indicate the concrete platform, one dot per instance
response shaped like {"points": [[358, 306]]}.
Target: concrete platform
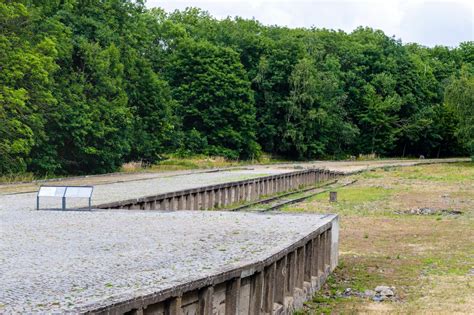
{"points": [[53, 261]]}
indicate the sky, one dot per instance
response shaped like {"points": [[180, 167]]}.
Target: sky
{"points": [[429, 23]]}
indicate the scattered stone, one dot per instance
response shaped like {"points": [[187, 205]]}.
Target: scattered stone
{"points": [[382, 293], [387, 292], [378, 298], [380, 288], [379, 294], [451, 212], [348, 292], [430, 211], [425, 211]]}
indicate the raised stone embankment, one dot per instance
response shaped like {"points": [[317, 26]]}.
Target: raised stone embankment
{"points": [[279, 284], [155, 262], [224, 195]]}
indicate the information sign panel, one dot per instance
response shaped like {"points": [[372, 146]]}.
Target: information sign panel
{"points": [[65, 192], [51, 191], [78, 192]]}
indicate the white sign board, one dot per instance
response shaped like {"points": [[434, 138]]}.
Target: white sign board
{"points": [[78, 192], [65, 192], [51, 191]]}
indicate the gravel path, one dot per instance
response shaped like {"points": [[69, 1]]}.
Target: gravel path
{"points": [[55, 261]]}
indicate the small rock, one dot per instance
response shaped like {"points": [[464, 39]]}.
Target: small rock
{"points": [[347, 291], [378, 298], [451, 212], [427, 211], [380, 288], [369, 293], [387, 293]]}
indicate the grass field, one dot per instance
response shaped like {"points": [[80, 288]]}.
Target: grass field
{"points": [[428, 258]]}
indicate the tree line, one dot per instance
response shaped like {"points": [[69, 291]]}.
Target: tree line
{"points": [[88, 85]]}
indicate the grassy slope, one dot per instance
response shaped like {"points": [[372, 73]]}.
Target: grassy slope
{"points": [[427, 258]]}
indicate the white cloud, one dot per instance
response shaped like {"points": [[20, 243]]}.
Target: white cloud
{"points": [[445, 22]]}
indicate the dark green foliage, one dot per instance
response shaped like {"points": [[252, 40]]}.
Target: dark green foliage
{"points": [[316, 121], [88, 85], [215, 100], [113, 105], [26, 67], [460, 97]]}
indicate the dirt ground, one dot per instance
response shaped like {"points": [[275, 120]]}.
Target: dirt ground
{"points": [[410, 228]]}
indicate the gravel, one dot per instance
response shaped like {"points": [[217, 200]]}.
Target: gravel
{"points": [[56, 261]]}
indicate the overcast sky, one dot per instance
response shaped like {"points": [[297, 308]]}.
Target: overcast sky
{"points": [[447, 22]]}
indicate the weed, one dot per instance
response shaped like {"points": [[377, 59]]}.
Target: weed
{"points": [[132, 167]]}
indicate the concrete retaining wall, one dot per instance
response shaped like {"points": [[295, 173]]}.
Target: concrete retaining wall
{"points": [[277, 285], [223, 195]]}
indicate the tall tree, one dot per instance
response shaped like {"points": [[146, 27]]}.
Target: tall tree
{"points": [[26, 66], [215, 100], [315, 125], [460, 96]]}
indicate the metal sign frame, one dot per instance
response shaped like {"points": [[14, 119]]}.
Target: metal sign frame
{"points": [[64, 196]]}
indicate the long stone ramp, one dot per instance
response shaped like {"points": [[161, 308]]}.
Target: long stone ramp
{"points": [[225, 195], [278, 284], [236, 192]]}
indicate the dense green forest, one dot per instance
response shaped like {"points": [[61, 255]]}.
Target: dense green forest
{"points": [[88, 85]]}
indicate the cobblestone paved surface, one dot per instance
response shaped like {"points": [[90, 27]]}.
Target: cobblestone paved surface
{"points": [[55, 261]]}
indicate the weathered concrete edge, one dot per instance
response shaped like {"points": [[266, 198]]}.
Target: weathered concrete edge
{"points": [[118, 204], [226, 274]]}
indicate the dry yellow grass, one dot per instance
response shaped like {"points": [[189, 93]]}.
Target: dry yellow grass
{"points": [[132, 167]]}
